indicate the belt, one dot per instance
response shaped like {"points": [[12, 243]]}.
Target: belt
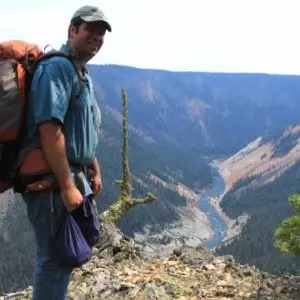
{"points": [[38, 182], [33, 182]]}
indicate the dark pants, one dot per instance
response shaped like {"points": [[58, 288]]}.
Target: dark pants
{"points": [[45, 210]]}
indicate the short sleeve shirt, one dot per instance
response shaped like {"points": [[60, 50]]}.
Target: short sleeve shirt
{"points": [[54, 83]]}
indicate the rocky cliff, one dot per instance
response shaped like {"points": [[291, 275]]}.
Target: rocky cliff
{"points": [[189, 273]]}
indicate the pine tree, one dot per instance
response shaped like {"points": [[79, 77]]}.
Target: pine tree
{"points": [[288, 232]]}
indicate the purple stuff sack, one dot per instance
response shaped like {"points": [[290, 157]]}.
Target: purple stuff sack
{"points": [[87, 220], [69, 247]]}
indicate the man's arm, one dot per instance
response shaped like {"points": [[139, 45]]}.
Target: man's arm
{"points": [[96, 177], [53, 144]]}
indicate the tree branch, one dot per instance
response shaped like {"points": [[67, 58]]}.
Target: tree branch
{"points": [[147, 199], [122, 206], [126, 183]]}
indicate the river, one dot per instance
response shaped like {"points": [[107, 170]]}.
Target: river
{"points": [[217, 224]]}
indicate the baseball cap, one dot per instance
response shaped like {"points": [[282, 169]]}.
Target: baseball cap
{"points": [[91, 14]]}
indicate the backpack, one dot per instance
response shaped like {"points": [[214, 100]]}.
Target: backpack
{"points": [[18, 62]]}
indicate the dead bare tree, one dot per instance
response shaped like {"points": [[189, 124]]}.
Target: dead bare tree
{"points": [[125, 201]]}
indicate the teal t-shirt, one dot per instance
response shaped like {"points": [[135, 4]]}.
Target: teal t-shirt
{"points": [[54, 83]]}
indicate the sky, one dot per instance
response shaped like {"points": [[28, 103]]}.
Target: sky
{"points": [[249, 36]]}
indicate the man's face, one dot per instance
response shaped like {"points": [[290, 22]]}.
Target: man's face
{"points": [[88, 40]]}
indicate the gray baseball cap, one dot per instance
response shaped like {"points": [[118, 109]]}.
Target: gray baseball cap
{"points": [[91, 14]]}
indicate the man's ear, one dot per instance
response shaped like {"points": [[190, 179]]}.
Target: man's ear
{"points": [[72, 30]]}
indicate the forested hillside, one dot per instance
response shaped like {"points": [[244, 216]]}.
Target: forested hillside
{"points": [[208, 113], [172, 164], [267, 206]]}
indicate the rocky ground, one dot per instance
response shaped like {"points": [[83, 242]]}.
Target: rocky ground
{"points": [[192, 229], [125, 272]]}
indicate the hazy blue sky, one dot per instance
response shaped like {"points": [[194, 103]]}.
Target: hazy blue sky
{"points": [[196, 35]]}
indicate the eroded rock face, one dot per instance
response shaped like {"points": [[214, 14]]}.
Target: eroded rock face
{"points": [[124, 272]]}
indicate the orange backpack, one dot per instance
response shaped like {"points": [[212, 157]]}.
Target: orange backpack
{"points": [[18, 61]]}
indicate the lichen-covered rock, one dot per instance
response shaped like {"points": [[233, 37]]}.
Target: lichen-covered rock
{"points": [[190, 273]]}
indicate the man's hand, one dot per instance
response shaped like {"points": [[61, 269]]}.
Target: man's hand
{"points": [[71, 197], [95, 177], [96, 184]]}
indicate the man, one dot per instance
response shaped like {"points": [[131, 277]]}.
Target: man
{"points": [[69, 139]]}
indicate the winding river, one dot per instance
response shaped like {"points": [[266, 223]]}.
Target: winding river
{"points": [[217, 224]]}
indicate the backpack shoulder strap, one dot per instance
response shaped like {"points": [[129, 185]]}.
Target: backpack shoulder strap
{"points": [[72, 58]]}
